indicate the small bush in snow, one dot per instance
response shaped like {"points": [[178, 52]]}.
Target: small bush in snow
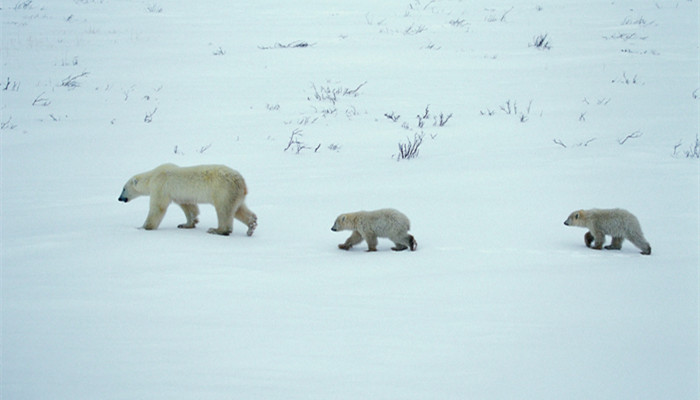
{"points": [[292, 45], [296, 144], [24, 5], [581, 144], [12, 86], [154, 8], [331, 93], [41, 101], [633, 135], [394, 117], [7, 124], [641, 21], [625, 80], [149, 116], [410, 149], [442, 119], [493, 16], [71, 81], [693, 151], [510, 107], [541, 42]]}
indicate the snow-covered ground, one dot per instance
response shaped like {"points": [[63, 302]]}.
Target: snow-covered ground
{"points": [[501, 300]]}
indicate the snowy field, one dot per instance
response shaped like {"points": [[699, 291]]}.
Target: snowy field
{"points": [[526, 111]]}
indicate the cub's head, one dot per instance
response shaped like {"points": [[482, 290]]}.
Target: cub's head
{"points": [[341, 223], [577, 218], [133, 188]]}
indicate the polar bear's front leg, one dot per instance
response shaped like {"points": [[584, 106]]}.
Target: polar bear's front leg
{"points": [[597, 237], [155, 213], [371, 239], [588, 239], [191, 212], [354, 239]]}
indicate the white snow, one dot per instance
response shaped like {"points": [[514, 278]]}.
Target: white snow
{"points": [[500, 301]]}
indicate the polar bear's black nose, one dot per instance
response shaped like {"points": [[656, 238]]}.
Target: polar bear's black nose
{"points": [[333, 229], [124, 199]]}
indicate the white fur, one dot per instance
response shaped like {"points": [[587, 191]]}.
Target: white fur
{"points": [[616, 222], [369, 225], [189, 186]]}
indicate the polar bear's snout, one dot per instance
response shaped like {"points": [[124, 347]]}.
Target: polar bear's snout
{"points": [[122, 197]]}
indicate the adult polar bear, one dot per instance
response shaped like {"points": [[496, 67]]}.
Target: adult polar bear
{"points": [[188, 186]]}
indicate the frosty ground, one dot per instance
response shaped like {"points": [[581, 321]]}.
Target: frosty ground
{"points": [[555, 106]]}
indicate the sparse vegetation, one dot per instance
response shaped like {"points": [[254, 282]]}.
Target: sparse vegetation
{"points": [[291, 45], [41, 101], [7, 124], [495, 16], [296, 145], [24, 5], [71, 81], [149, 116], [422, 117], [438, 120], [641, 21], [580, 144], [330, 93], [510, 107], [410, 149], [633, 135], [541, 42], [458, 23], [626, 80], [204, 148], [392, 116], [11, 86], [442, 119], [200, 150], [625, 36], [693, 151], [154, 8], [414, 30]]}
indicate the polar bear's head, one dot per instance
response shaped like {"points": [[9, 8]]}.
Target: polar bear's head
{"points": [[341, 223], [134, 187], [577, 218]]}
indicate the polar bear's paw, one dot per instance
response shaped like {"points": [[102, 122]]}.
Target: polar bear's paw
{"points": [[219, 232], [251, 227]]}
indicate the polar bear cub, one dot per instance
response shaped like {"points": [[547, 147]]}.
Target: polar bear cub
{"points": [[369, 225], [188, 186], [616, 222]]}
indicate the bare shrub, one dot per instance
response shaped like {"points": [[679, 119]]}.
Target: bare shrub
{"points": [[71, 81], [410, 149], [541, 42], [633, 135], [693, 150], [291, 45]]}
